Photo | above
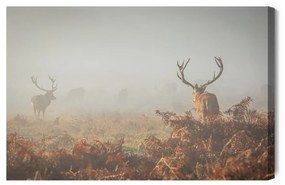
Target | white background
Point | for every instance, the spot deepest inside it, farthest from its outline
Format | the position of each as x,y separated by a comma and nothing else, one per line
280,175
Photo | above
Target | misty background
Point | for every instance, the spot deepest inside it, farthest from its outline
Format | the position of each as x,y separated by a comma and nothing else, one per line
124,59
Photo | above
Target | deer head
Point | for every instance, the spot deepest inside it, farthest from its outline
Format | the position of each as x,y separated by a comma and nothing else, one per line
205,103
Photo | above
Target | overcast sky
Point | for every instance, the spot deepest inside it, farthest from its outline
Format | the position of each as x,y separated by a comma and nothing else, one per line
109,49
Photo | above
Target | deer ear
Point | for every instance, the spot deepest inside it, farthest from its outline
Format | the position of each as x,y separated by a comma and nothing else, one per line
196,86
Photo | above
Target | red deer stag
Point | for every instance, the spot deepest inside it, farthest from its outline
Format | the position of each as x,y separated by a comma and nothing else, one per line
41,102
205,103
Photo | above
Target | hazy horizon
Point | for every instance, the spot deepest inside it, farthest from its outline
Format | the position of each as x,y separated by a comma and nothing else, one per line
106,50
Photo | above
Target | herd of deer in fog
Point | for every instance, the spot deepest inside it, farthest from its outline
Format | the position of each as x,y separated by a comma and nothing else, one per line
206,104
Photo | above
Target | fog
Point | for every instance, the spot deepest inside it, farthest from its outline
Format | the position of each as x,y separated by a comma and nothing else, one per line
125,58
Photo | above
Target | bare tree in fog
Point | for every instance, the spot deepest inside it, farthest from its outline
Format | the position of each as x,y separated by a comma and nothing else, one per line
205,103
41,102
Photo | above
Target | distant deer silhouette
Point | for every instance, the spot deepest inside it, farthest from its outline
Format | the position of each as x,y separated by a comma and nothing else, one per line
41,102
75,95
205,103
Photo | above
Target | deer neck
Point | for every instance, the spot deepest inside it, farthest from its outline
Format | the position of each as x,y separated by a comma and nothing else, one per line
196,96
47,98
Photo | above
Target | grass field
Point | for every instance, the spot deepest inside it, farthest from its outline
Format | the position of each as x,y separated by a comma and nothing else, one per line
239,144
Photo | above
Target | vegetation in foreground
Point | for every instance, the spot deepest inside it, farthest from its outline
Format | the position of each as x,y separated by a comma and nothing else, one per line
238,144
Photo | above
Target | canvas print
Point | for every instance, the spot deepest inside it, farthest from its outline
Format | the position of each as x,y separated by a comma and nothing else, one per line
140,93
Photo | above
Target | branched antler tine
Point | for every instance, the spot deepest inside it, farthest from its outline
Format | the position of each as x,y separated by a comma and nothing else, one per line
187,62
53,88
219,63
52,79
180,66
35,81
181,70
178,76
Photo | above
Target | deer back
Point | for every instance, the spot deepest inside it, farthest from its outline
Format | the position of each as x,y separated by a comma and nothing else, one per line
206,104
41,102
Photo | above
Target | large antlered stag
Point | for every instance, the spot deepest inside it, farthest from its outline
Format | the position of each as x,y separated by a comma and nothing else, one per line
41,102
205,103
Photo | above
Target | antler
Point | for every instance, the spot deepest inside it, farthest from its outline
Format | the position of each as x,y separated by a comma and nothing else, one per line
181,70
53,88
35,81
219,62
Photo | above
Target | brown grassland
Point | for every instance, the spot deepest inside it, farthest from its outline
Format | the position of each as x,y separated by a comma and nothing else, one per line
239,144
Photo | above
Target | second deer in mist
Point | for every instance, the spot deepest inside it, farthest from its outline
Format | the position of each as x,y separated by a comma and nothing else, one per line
41,102
205,103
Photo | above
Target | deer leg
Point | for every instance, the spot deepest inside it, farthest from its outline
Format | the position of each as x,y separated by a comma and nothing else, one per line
38,114
35,112
44,114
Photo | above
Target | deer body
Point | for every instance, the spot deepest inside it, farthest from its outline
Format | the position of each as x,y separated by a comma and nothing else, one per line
76,95
41,102
205,103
